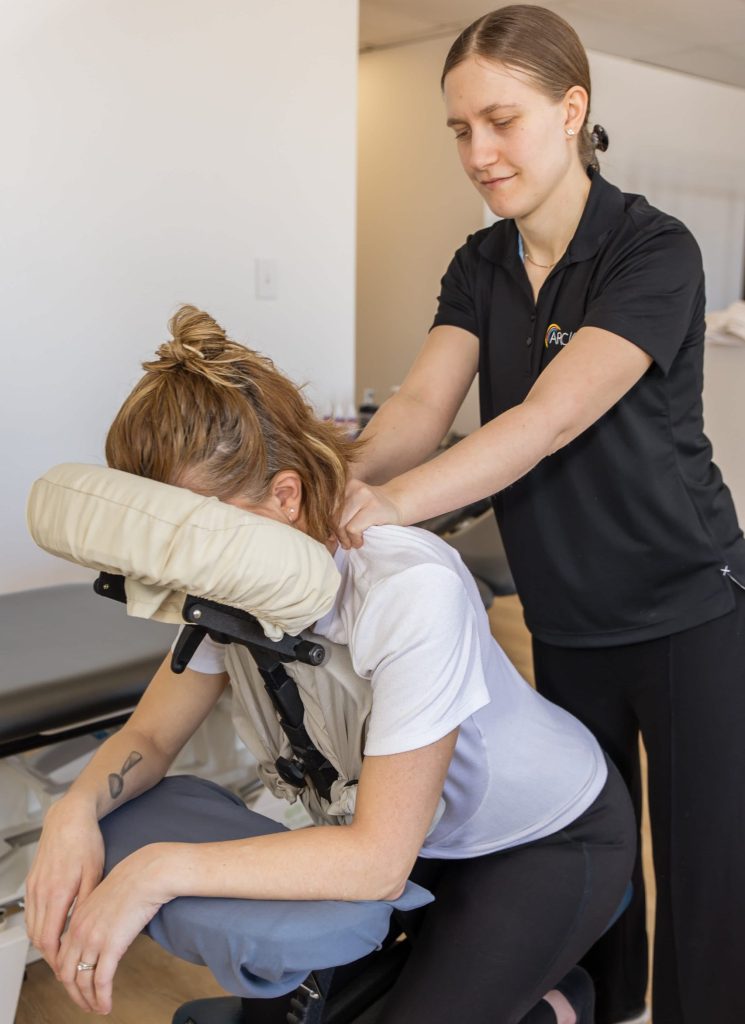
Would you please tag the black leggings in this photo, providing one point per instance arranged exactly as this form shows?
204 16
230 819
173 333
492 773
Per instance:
506 927
686 692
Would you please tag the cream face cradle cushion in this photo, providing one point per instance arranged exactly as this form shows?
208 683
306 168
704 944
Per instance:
168 541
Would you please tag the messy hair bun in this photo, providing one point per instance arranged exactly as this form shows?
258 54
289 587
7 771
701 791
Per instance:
216 416
199 345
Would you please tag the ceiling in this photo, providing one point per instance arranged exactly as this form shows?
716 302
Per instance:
703 39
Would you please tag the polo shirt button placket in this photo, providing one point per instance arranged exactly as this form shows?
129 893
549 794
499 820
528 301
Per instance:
529 344
529 339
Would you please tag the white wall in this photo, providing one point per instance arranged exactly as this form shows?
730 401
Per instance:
724 415
151 151
679 140
415 208
675 138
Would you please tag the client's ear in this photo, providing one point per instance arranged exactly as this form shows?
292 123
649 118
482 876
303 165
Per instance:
287 491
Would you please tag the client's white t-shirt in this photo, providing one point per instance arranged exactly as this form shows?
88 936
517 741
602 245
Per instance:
413 620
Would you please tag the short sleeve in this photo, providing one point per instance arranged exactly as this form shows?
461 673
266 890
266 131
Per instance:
417 639
208 658
456 305
653 294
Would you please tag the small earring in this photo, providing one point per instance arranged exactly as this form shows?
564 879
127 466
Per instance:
292 513
570 131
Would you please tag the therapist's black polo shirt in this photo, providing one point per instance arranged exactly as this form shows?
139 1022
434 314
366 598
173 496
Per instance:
628 533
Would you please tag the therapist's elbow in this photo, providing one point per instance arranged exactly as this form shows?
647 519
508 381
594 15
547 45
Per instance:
562 438
552 427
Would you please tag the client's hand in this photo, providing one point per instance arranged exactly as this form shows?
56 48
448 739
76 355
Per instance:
365 505
68 865
104 925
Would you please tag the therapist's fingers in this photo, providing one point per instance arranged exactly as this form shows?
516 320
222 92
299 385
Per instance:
349 538
358 498
354 530
365 506
354 499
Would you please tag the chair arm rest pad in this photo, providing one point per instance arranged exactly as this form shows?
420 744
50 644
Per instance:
261 948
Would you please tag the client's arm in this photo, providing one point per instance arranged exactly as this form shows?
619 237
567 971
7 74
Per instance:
370 859
69 860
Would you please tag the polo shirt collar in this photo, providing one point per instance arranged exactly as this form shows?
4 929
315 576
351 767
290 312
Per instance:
603 210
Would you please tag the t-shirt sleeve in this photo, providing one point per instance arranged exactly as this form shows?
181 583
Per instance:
417 638
651 296
209 657
456 305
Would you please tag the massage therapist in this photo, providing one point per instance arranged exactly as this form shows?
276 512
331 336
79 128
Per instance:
582 311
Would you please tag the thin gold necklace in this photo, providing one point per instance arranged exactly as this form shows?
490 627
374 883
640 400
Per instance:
543 266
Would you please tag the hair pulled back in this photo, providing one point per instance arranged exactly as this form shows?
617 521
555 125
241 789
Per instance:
544 46
214 415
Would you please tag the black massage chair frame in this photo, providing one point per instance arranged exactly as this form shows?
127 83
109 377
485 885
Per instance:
339 995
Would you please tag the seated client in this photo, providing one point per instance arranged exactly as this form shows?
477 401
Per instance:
500 803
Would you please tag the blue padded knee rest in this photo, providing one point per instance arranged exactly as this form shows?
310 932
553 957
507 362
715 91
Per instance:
262 948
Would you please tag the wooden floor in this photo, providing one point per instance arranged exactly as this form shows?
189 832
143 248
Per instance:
150 984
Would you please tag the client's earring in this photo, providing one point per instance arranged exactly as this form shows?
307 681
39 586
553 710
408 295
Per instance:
292 514
570 131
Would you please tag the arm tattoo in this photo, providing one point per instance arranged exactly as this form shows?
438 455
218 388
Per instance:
116 782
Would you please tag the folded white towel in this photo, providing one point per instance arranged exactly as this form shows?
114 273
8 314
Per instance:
726 326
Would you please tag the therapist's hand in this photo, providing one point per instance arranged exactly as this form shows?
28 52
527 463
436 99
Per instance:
365 505
68 865
105 924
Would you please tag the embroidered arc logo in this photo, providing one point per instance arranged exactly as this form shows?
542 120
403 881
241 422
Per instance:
555 336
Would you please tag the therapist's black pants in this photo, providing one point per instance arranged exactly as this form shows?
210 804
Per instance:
504 928
686 693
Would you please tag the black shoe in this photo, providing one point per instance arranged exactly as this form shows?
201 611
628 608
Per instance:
578 989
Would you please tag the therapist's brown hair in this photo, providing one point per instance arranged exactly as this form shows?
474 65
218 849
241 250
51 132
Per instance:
221 418
538 42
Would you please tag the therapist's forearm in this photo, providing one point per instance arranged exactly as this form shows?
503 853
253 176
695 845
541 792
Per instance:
127 764
322 862
402 434
482 464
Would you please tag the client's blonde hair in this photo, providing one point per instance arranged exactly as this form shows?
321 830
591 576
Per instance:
212 414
